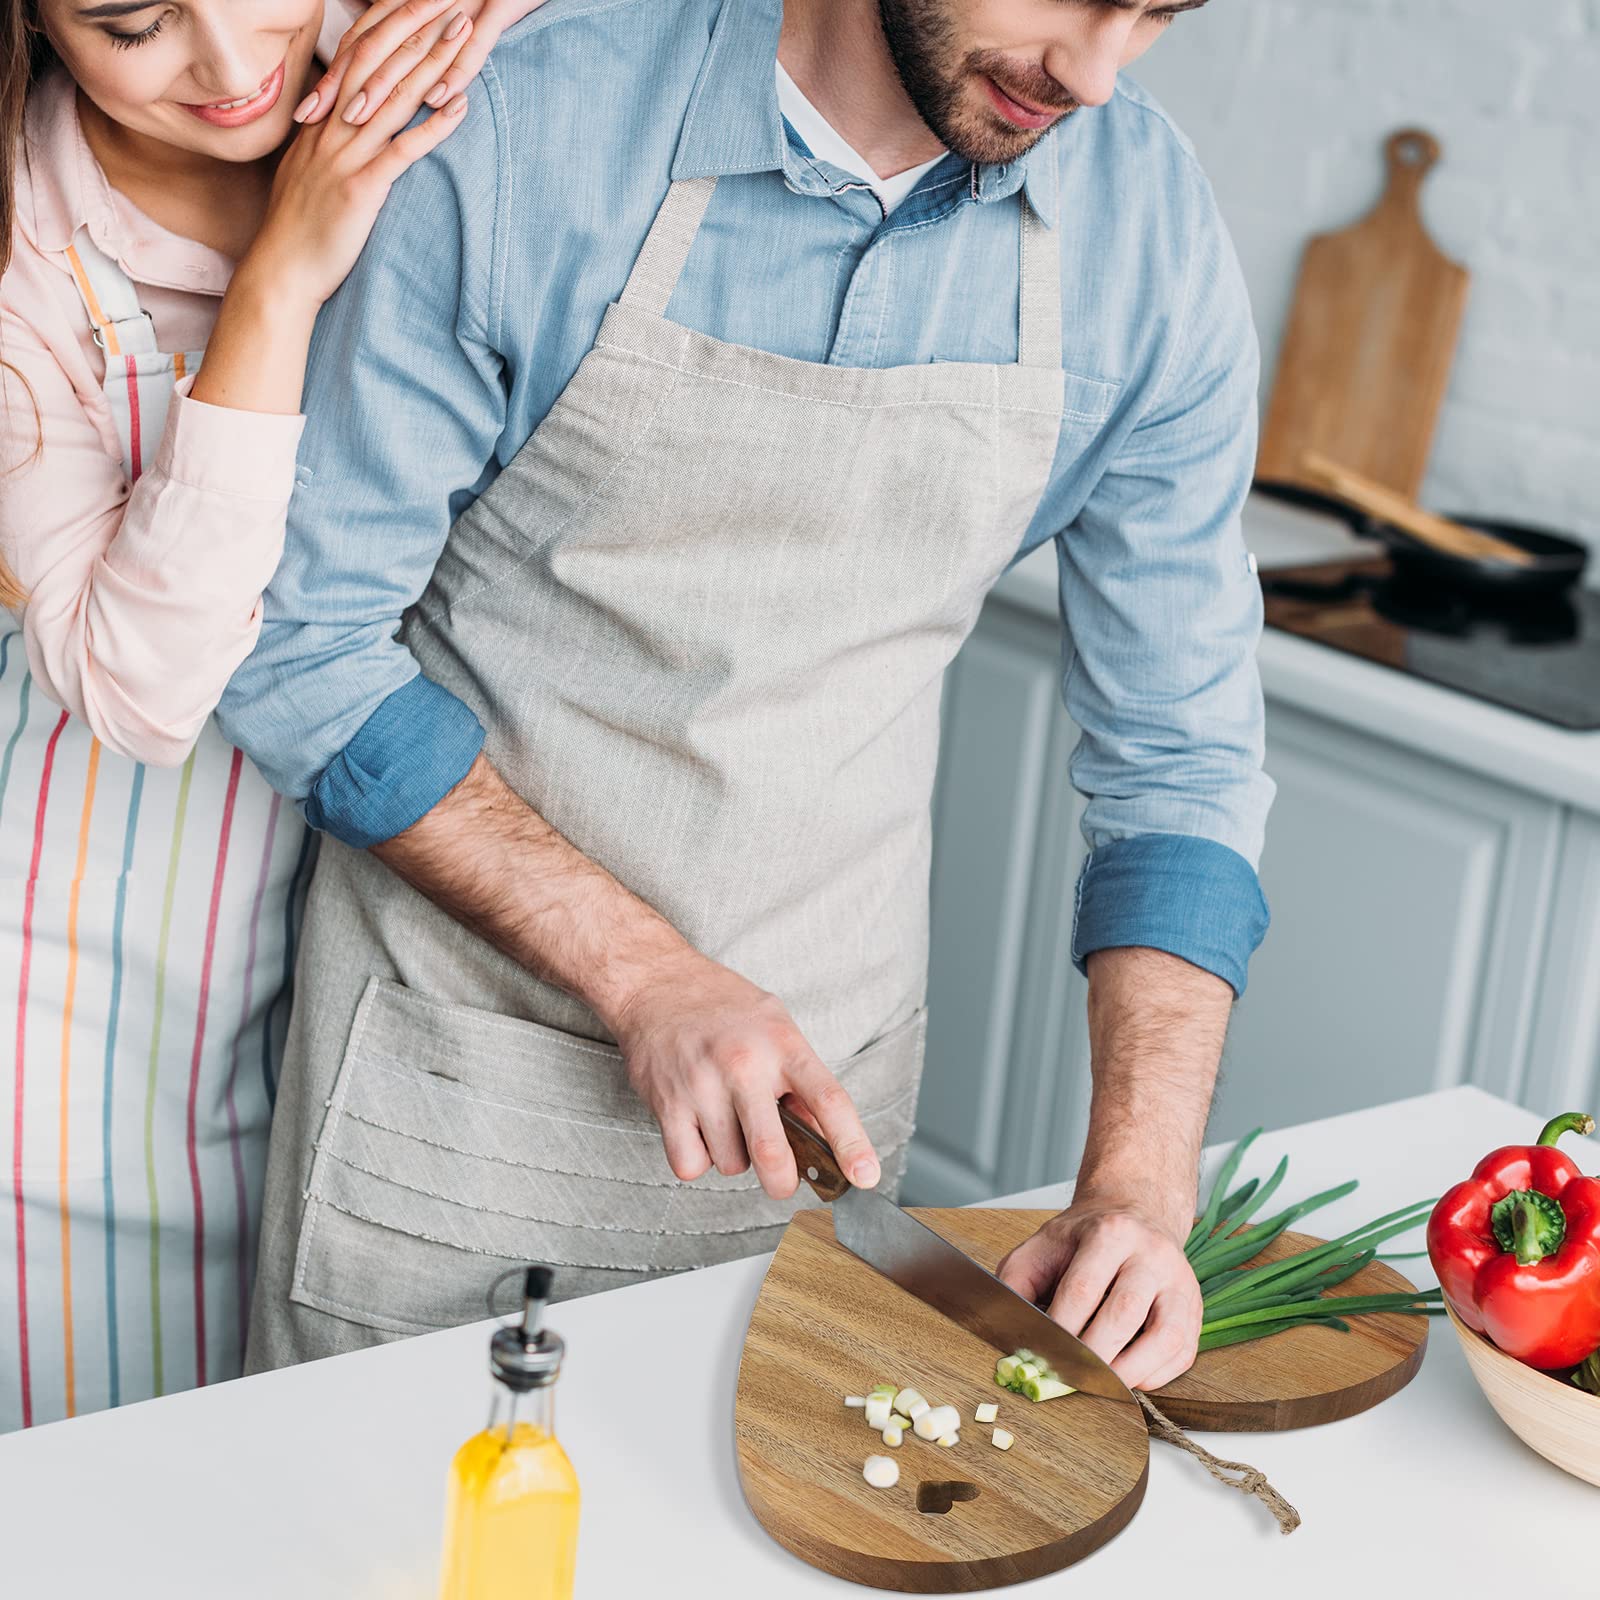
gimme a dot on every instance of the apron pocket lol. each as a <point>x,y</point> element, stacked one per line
<point>459,1143</point>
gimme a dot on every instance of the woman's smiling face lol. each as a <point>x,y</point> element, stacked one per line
<point>218,77</point>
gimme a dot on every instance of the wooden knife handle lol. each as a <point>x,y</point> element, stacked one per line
<point>814,1157</point>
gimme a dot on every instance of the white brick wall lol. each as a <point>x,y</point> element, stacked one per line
<point>1288,101</point>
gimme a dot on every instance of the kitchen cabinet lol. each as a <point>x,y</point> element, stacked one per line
<point>1007,1041</point>
<point>1435,902</point>
<point>1410,904</point>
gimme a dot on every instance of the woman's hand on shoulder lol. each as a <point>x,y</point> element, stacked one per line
<point>333,179</point>
<point>489,18</point>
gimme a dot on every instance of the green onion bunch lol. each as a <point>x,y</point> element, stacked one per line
<point>1244,1302</point>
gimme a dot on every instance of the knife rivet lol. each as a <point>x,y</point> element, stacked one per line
<point>812,1174</point>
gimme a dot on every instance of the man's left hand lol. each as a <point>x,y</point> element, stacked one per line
<point>1111,1269</point>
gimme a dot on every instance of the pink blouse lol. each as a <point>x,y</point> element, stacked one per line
<point>142,598</point>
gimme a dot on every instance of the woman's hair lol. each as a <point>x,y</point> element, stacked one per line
<point>24,55</point>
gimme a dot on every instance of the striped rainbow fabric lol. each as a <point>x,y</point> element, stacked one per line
<point>147,925</point>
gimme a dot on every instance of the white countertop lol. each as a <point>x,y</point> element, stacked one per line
<point>1500,744</point>
<point>326,1482</point>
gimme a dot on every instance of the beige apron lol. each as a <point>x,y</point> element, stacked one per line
<point>704,616</point>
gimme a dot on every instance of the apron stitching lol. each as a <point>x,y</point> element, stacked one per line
<point>577,511</point>
<point>474,1096</point>
<point>550,1222</point>
<point>478,1250</point>
<point>495,1020</point>
<point>528,1166</point>
<point>519,1024</point>
<point>321,1147</point>
<point>850,405</point>
<point>665,1230</point>
<point>323,1302</point>
<point>370,1318</point>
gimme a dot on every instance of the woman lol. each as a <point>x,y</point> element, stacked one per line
<point>147,911</point>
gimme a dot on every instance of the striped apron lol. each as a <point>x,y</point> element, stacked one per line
<point>147,927</point>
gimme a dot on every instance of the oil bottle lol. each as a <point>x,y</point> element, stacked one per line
<point>511,1521</point>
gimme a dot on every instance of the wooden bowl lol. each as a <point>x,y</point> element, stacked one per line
<point>1548,1414</point>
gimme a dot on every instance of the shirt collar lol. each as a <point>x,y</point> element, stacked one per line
<point>62,187</point>
<point>1036,172</point>
<point>65,189</point>
<point>734,125</point>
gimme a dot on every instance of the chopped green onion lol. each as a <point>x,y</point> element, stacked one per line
<point>1327,1308</point>
<point>1227,1252</point>
<point>1219,1189</point>
<point>1244,1301</point>
<point>1046,1389</point>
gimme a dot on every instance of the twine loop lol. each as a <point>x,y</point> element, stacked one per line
<point>1235,1474</point>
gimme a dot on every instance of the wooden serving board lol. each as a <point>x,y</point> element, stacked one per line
<point>1366,354</point>
<point>826,1325</point>
<point>1306,1375</point>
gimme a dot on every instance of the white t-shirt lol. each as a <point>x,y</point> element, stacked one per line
<point>829,146</point>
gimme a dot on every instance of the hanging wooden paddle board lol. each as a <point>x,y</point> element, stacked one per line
<point>1366,354</point>
<point>826,1325</point>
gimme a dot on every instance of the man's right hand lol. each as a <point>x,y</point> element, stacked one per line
<point>707,1051</point>
<point>711,1055</point>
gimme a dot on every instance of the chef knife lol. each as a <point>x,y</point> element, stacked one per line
<point>911,1254</point>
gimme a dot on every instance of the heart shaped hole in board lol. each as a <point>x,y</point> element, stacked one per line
<point>937,1496</point>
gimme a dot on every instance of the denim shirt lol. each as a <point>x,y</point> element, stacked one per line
<point>482,288</point>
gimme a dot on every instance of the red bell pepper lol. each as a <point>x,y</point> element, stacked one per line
<point>1517,1250</point>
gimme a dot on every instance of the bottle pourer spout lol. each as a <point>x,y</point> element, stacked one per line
<point>527,1355</point>
<point>535,1297</point>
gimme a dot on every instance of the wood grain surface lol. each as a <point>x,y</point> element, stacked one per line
<point>1306,1375</point>
<point>1366,354</point>
<point>1292,1380</point>
<point>826,1325</point>
<point>1546,1412</point>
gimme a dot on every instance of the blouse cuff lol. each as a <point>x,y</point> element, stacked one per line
<point>248,454</point>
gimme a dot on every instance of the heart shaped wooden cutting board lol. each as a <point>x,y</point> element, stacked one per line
<point>826,1326</point>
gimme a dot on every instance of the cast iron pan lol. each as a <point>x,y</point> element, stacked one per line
<point>1557,565</point>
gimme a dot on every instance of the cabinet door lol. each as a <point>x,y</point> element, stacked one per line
<point>1563,1068</point>
<point>1410,902</point>
<point>1005,1004</point>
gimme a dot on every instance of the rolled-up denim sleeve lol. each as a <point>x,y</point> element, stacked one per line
<point>1163,616</point>
<point>405,405</point>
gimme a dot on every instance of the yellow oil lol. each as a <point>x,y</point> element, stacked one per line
<point>511,1520</point>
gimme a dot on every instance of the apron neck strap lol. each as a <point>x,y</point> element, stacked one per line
<point>1039,300</point>
<point>121,325</point>
<point>666,246</point>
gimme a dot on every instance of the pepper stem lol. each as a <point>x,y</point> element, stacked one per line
<point>1568,1122</point>
<point>1529,1224</point>
<point>1525,1233</point>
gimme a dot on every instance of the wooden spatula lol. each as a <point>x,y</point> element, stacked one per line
<point>1439,532</point>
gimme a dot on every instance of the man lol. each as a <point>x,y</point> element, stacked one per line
<point>650,759</point>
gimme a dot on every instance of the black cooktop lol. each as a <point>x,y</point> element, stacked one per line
<point>1539,655</point>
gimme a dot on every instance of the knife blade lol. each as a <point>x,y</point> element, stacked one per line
<point>920,1261</point>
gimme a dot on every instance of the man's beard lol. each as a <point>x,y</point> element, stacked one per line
<point>939,78</point>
